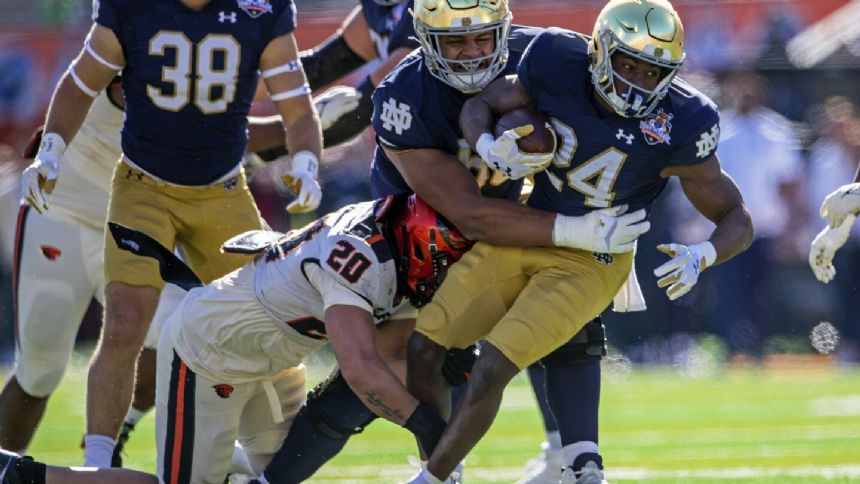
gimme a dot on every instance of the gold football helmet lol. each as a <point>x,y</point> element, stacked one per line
<point>436,18</point>
<point>649,30</point>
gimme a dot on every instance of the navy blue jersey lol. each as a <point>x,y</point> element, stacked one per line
<point>403,34</point>
<point>414,110</point>
<point>189,80</point>
<point>604,159</point>
<point>387,21</point>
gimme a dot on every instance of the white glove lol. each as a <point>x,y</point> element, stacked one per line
<point>824,247</point>
<point>334,103</point>
<point>38,179</point>
<point>839,204</point>
<point>607,230</point>
<point>504,155</point>
<point>301,179</point>
<point>682,271</point>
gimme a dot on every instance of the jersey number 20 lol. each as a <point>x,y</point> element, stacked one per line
<point>214,87</point>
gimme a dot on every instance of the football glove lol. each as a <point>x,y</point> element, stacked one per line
<point>39,179</point>
<point>504,155</point>
<point>839,204</point>
<point>682,271</point>
<point>301,179</point>
<point>824,247</point>
<point>607,231</point>
<point>336,102</point>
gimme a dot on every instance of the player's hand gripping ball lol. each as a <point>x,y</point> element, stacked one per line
<point>540,140</point>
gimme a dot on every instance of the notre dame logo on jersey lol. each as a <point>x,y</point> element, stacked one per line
<point>396,116</point>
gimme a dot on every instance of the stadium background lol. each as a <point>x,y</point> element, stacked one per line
<point>809,55</point>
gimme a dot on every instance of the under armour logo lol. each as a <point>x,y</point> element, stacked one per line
<point>708,142</point>
<point>396,115</point>
<point>223,17</point>
<point>231,183</point>
<point>628,138</point>
<point>131,173</point>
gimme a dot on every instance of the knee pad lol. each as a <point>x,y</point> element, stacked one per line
<point>39,375</point>
<point>589,344</point>
<point>336,410</point>
<point>458,365</point>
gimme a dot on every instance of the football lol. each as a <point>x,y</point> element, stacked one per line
<point>540,141</point>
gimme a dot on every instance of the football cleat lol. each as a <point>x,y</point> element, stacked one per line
<point>545,468</point>
<point>116,459</point>
<point>590,473</point>
<point>9,468</point>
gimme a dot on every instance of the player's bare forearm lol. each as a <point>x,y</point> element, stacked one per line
<point>450,188</point>
<point>716,196</point>
<point>479,112</point>
<point>68,110</point>
<point>388,65</point>
<point>305,134</point>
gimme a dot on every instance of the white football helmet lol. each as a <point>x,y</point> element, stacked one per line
<point>434,19</point>
<point>649,30</point>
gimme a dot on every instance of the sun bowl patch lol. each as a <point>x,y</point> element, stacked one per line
<point>656,127</point>
<point>255,8</point>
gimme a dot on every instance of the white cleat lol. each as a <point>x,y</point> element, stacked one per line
<point>545,468</point>
<point>590,473</point>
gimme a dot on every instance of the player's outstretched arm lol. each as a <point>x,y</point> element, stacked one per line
<point>352,336</point>
<point>715,195</point>
<point>289,90</point>
<point>99,60</point>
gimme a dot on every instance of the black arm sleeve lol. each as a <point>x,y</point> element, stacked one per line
<point>329,62</point>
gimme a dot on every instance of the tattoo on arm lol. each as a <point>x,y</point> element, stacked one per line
<point>383,408</point>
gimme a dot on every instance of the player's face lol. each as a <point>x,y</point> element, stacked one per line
<point>468,46</point>
<point>635,71</point>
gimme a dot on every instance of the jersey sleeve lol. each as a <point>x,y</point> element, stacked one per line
<point>331,291</point>
<point>702,140</point>
<point>106,14</point>
<point>285,20</point>
<point>353,266</point>
<point>396,117</point>
<point>403,34</point>
<point>543,62</point>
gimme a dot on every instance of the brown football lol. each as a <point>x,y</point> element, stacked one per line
<point>541,139</point>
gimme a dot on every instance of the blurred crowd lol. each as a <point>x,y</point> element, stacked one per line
<point>788,138</point>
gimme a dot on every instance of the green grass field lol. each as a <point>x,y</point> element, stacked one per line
<point>749,425</point>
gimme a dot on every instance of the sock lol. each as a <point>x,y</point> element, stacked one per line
<point>133,416</point>
<point>553,438</point>
<point>574,450</point>
<point>98,450</point>
<point>425,477</point>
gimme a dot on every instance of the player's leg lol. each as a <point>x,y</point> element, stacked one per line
<point>144,390</point>
<point>346,50</point>
<point>268,416</point>
<point>573,392</point>
<point>53,288</point>
<point>131,296</point>
<point>196,420</point>
<point>546,467</point>
<point>24,470</point>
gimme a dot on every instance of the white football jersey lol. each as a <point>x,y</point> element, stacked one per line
<point>268,315</point>
<point>86,167</point>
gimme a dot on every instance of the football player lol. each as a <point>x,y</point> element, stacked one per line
<point>625,124</point>
<point>415,117</point>
<point>229,365</point>
<point>190,69</point>
<point>840,210</point>
<point>375,29</point>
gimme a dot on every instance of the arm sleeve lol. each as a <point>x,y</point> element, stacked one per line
<point>332,291</point>
<point>285,22</point>
<point>702,141</point>
<point>397,122</point>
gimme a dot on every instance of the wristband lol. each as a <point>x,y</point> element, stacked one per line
<point>706,252</point>
<point>305,161</point>
<point>426,425</point>
<point>51,148</point>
